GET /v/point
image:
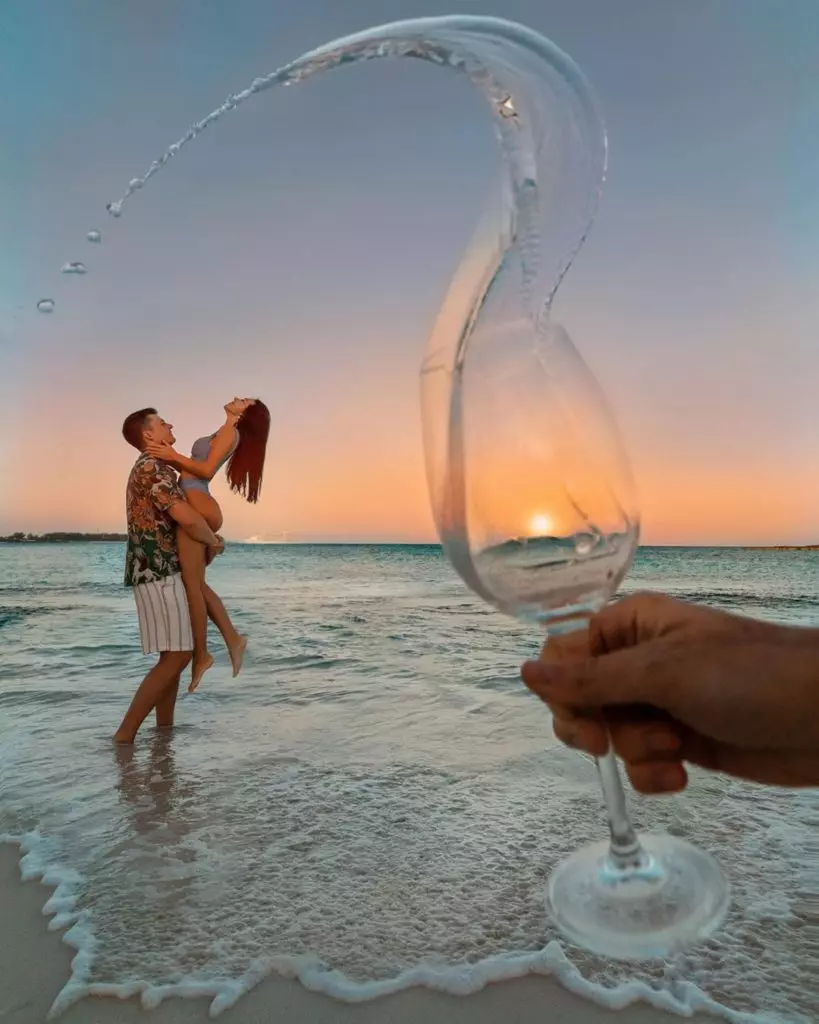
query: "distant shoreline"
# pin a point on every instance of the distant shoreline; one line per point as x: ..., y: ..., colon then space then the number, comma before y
x: 61, y: 537
x: 65, y: 537
x: 783, y: 547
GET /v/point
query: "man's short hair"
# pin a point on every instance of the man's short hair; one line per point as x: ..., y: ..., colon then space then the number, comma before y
x: 134, y: 425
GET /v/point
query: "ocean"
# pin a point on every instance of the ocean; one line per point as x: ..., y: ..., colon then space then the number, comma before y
x: 376, y: 801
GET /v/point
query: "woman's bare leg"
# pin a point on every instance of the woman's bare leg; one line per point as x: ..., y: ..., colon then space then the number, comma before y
x: 192, y: 562
x: 235, y: 642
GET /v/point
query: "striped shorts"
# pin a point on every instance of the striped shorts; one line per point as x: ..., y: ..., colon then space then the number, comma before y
x: 164, y: 617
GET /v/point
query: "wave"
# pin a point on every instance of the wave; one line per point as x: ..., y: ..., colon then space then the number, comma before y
x: 771, y: 601
x: 757, y: 596
x: 303, y: 661
x: 11, y: 615
x: 510, y: 683
x: 21, y: 698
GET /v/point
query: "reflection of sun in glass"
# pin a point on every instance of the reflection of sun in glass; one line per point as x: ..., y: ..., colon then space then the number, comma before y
x: 540, y: 524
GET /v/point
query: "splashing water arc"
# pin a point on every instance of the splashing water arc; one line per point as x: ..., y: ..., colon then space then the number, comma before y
x: 553, y: 147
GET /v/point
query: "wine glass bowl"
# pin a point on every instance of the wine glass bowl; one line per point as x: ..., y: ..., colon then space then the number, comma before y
x: 550, y: 519
x: 536, y: 505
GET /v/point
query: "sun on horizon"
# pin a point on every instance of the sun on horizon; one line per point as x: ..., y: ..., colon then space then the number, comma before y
x: 540, y: 524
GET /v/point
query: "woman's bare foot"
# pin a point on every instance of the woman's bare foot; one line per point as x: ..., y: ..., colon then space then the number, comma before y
x: 237, y: 653
x: 200, y: 667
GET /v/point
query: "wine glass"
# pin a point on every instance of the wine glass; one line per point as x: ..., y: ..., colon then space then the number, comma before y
x: 536, y: 512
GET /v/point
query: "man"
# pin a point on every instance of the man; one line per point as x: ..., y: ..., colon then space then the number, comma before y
x: 155, y: 507
x: 674, y: 683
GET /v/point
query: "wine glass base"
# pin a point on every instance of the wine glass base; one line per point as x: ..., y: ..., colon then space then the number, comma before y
x: 676, y: 897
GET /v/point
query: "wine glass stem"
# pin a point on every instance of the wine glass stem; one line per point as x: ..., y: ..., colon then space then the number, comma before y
x: 625, y: 850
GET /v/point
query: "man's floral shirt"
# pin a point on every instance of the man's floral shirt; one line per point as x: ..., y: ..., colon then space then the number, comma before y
x: 151, y: 554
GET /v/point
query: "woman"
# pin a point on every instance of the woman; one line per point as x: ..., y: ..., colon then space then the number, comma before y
x: 241, y: 442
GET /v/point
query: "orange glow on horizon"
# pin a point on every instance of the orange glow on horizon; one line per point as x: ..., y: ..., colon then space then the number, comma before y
x: 352, y: 468
x: 363, y: 493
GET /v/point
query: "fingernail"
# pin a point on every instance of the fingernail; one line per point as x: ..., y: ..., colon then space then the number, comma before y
x: 661, y: 741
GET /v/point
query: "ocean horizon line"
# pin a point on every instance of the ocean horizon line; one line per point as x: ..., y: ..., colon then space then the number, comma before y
x: 112, y: 537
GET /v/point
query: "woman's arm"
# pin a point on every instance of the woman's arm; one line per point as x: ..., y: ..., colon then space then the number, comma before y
x: 219, y: 447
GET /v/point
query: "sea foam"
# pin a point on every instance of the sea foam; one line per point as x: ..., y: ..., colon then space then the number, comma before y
x: 39, y: 861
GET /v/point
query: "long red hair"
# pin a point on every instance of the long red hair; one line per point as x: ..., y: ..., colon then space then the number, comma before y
x: 246, y: 465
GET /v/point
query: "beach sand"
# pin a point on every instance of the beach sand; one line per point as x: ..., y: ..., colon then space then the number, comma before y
x: 35, y: 963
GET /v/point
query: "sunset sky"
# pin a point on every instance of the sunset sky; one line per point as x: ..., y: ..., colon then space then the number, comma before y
x: 299, y: 250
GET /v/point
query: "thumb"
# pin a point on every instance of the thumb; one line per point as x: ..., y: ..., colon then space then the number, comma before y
x: 643, y: 674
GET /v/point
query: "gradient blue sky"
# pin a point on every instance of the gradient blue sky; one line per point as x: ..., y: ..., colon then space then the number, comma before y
x: 299, y: 250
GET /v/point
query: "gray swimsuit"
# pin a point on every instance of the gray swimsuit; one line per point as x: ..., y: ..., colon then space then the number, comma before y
x: 199, y: 453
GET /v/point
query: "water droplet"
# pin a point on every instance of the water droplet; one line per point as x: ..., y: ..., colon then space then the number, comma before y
x: 115, y: 209
x: 506, y: 108
x: 584, y: 545
x: 94, y: 236
x: 45, y: 306
x: 74, y: 268
x: 135, y: 184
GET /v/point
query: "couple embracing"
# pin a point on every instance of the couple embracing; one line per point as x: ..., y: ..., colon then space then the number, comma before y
x: 173, y: 524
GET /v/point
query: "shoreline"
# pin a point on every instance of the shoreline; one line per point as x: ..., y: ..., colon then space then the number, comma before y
x: 35, y: 963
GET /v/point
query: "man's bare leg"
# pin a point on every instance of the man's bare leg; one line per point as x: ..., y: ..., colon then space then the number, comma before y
x: 166, y: 705
x: 162, y: 675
